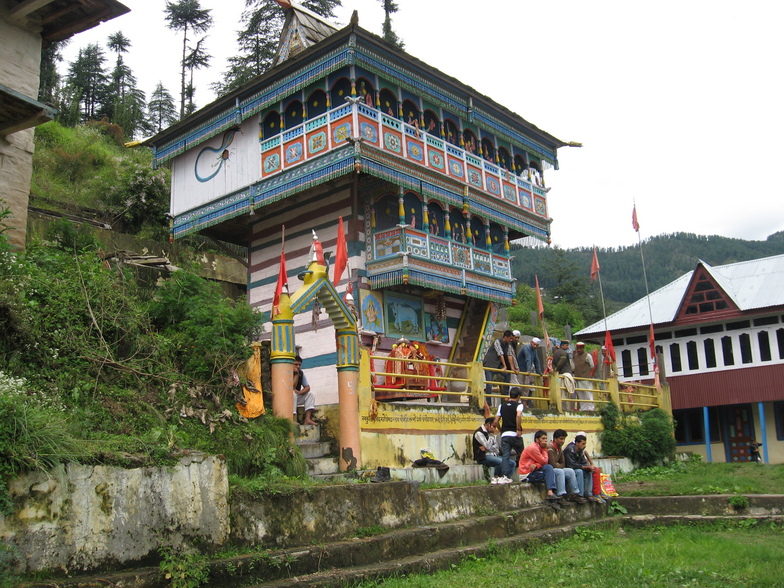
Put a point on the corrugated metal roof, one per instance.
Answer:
(754, 284)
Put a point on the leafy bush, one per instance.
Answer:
(34, 433)
(739, 502)
(209, 333)
(646, 438)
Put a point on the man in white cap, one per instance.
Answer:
(515, 378)
(583, 368)
(528, 363)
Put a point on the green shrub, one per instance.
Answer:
(646, 438)
(739, 502)
(34, 433)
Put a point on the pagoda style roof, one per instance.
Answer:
(352, 44)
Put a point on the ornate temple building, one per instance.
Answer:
(431, 178)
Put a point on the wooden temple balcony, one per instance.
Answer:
(393, 144)
(403, 255)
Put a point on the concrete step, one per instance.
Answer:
(456, 474)
(322, 465)
(307, 433)
(310, 450)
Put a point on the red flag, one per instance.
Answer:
(609, 347)
(341, 253)
(635, 224)
(283, 282)
(539, 304)
(652, 346)
(595, 266)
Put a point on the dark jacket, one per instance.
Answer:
(575, 459)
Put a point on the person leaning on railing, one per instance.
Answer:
(497, 357)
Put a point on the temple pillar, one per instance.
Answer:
(347, 343)
(282, 356)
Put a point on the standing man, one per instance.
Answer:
(528, 362)
(510, 414)
(497, 357)
(583, 367)
(486, 448)
(515, 379)
(562, 364)
(302, 394)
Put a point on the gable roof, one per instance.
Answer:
(750, 285)
(302, 29)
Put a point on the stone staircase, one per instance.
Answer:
(316, 452)
(447, 526)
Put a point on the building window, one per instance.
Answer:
(690, 425)
(626, 362)
(780, 341)
(691, 355)
(778, 411)
(726, 350)
(642, 359)
(710, 354)
(387, 99)
(764, 346)
(293, 115)
(745, 348)
(675, 357)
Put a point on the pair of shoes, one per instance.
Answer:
(554, 505)
(495, 480)
(504, 480)
(596, 499)
(553, 497)
(605, 497)
(382, 475)
(577, 498)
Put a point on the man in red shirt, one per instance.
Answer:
(535, 467)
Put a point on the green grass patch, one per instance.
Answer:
(694, 477)
(714, 556)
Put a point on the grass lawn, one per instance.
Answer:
(718, 556)
(694, 477)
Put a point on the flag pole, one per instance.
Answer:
(597, 268)
(651, 342)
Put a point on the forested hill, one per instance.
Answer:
(666, 258)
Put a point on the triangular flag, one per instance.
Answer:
(635, 224)
(341, 253)
(283, 281)
(595, 266)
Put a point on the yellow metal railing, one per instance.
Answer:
(426, 379)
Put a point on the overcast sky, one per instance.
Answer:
(679, 104)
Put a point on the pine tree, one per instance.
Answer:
(88, 77)
(389, 35)
(50, 79)
(258, 41)
(120, 44)
(161, 109)
(196, 59)
(186, 15)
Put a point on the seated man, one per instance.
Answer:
(578, 461)
(557, 460)
(302, 394)
(486, 448)
(534, 466)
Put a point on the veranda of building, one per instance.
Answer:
(433, 181)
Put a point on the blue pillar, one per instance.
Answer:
(763, 431)
(706, 426)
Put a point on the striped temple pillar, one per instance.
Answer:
(347, 343)
(282, 355)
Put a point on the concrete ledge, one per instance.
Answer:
(711, 505)
(457, 474)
